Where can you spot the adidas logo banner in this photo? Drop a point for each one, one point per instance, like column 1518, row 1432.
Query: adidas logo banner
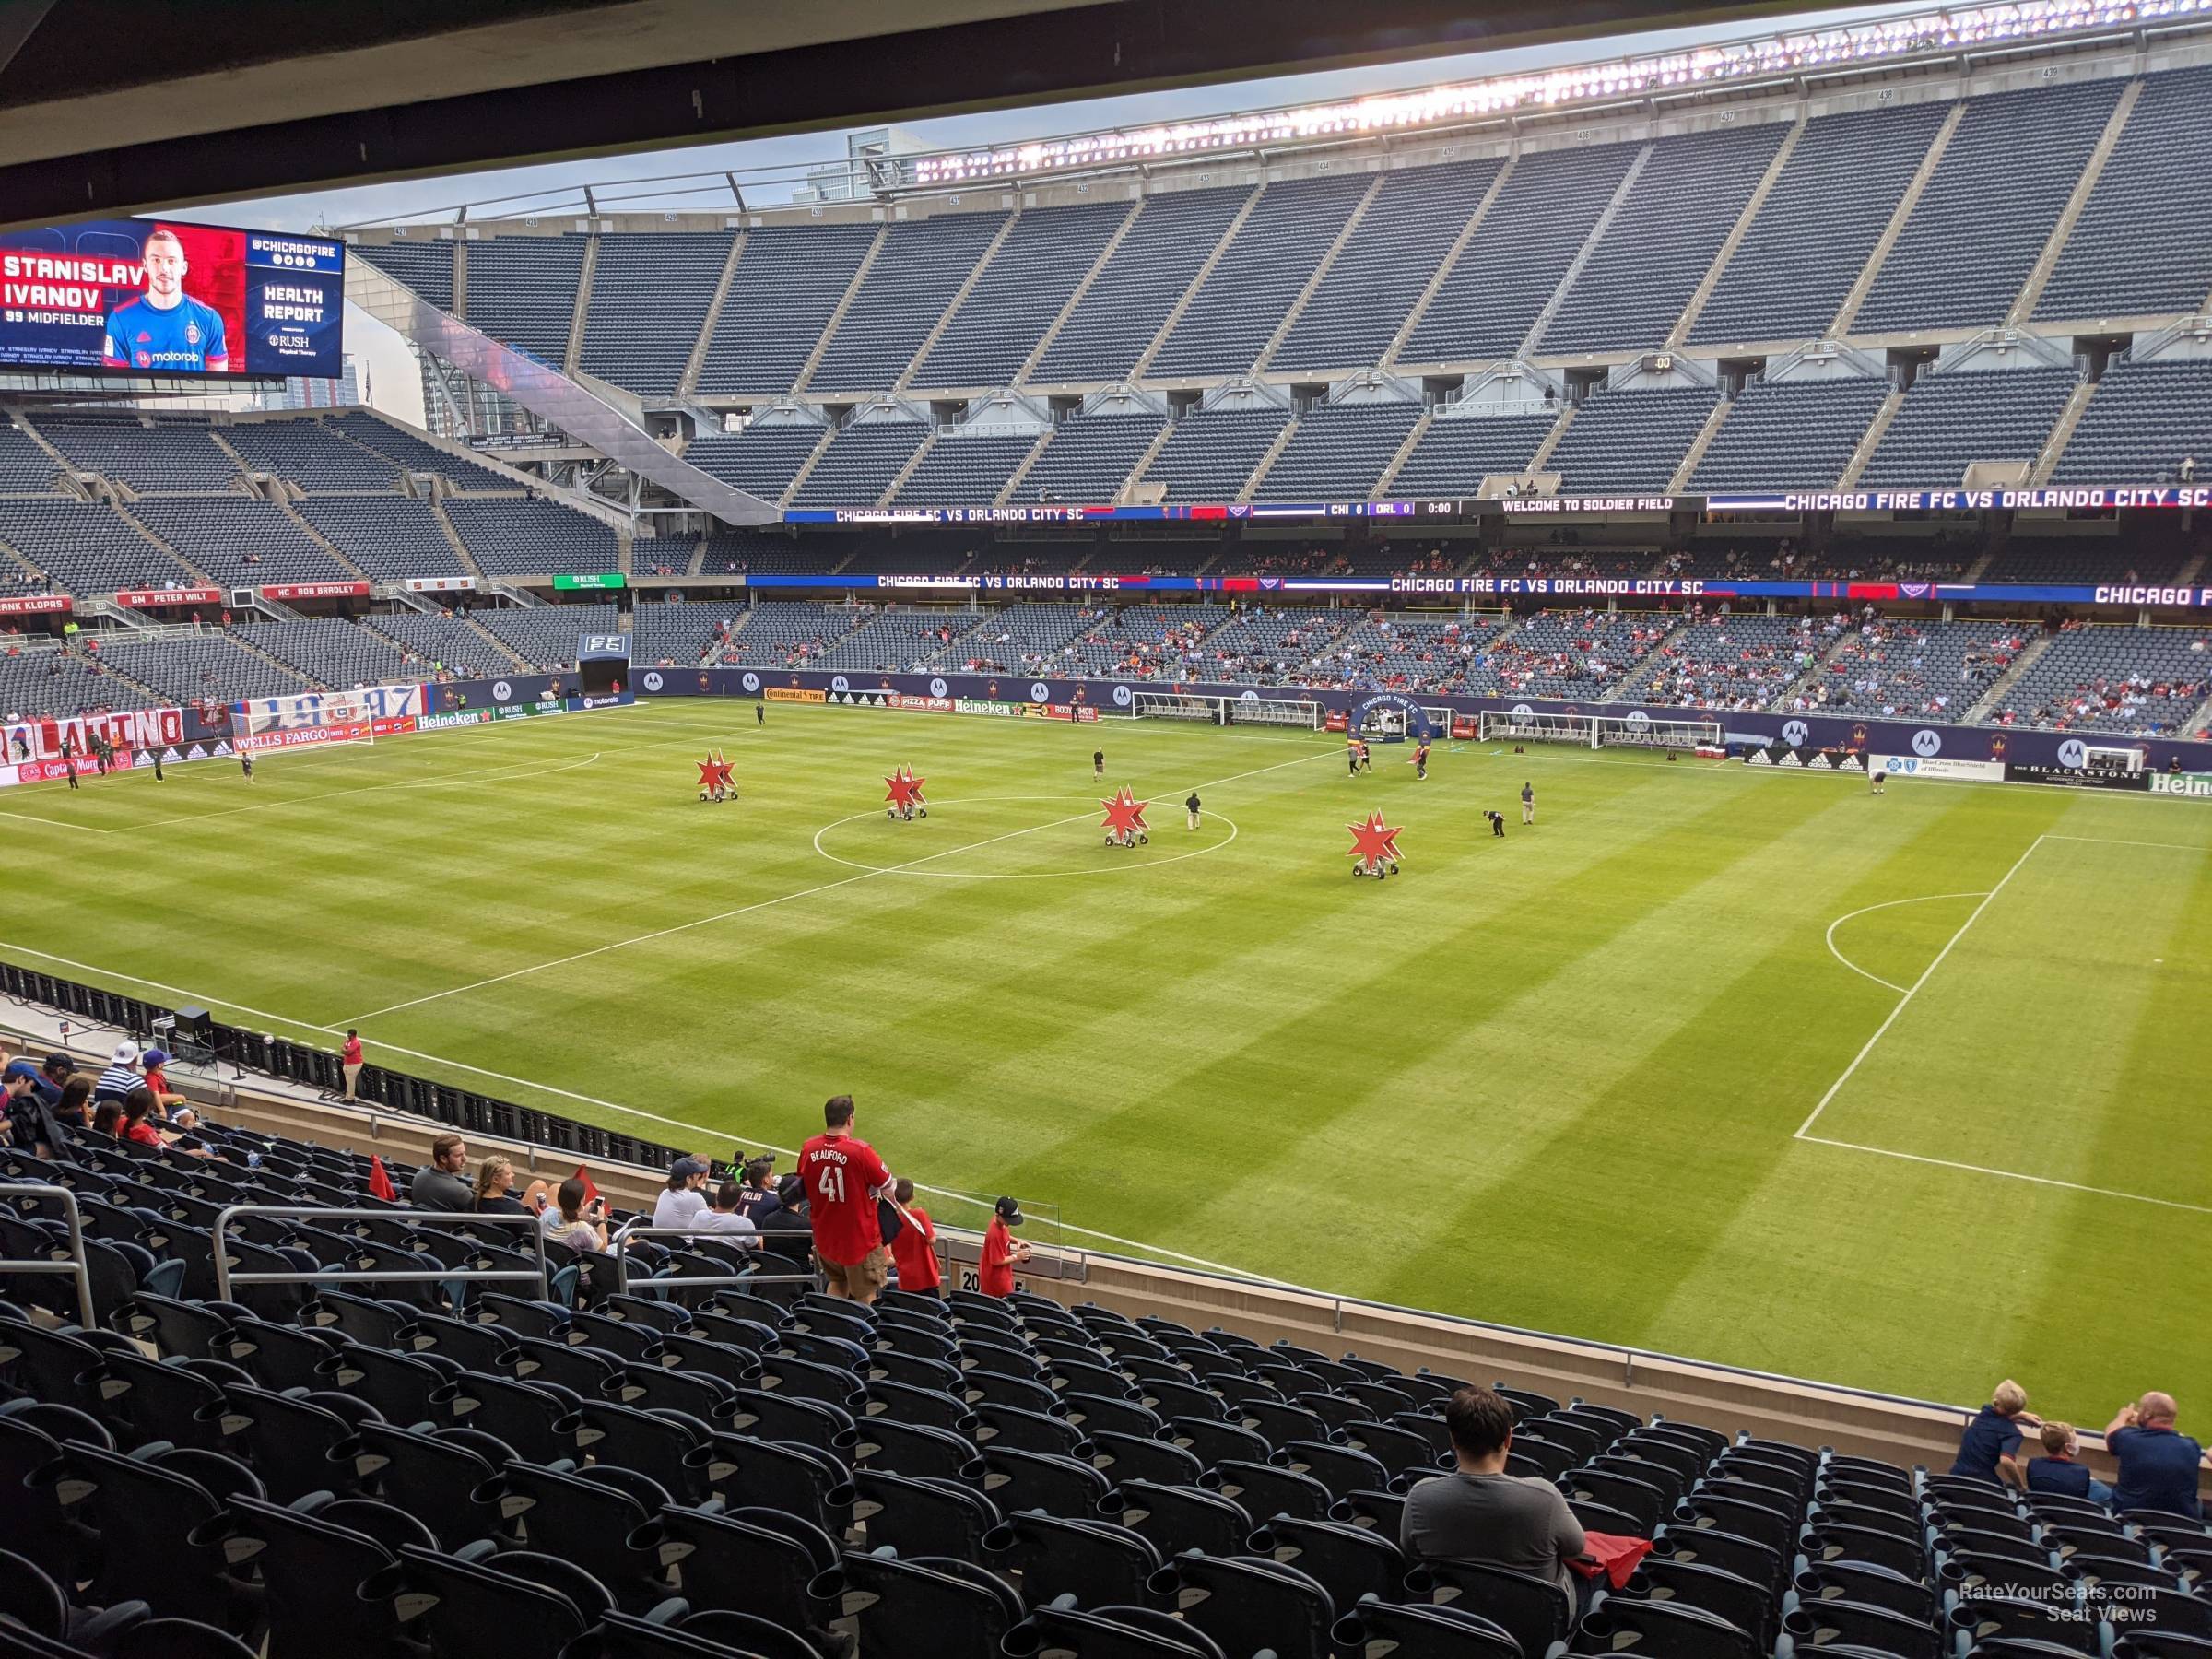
column 1819, row 763
column 1757, row 757
column 1790, row 760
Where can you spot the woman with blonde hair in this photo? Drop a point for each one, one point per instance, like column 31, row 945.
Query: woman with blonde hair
column 1986, row 1449
column 494, row 1180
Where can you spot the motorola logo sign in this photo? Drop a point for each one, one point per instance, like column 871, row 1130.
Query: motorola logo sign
column 501, row 691
column 652, row 680
column 2074, row 752
column 1794, row 732
column 1522, row 710
column 1122, row 698
column 1638, row 717
column 1926, row 743
column 937, row 688
column 1248, row 697
column 1040, row 691
column 840, row 684
column 751, row 682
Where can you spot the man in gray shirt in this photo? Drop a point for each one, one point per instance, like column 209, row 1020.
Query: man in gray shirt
column 1484, row 1516
column 441, row 1184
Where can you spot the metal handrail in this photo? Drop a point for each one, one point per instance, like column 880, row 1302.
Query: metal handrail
column 225, row 1279
column 636, row 1229
column 76, row 1267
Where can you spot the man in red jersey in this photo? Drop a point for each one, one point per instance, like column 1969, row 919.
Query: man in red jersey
column 843, row 1179
column 1002, row 1251
column 915, row 1248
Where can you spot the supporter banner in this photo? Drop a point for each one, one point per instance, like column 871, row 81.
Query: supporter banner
column 315, row 590
column 2076, row 777
column 42, row 740
column 2182, row 783
column 439, row 584
column 1936, row 766
column 1109, row 696
column 35, row 605
column 393, row 703
column 149, row 598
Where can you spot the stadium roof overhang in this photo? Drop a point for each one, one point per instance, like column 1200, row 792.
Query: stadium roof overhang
column 262, row 97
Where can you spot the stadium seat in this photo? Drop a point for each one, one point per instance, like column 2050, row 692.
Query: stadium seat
column 1537, row 1613
column 1109, row 1631
column 933, row 1606
column 1250, row 1604
column 1418, row 1631
column 923, row 1516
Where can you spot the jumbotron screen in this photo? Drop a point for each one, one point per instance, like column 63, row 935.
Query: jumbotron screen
column 161, row 297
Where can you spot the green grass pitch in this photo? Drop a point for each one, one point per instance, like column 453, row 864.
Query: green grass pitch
column 1560, row 1080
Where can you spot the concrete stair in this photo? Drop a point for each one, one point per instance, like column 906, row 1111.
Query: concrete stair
column 1015, row 477
column 1589, row 247
column 1551, row 439
column 574, row 352
column 497, row 643
column 452, row 540
column 1236, row 226
column 687, row 382
column 1275, row 449
column 845, row 304
column 806, row 466
column 1321, row 270
column 1814, row 676
column 1698, row 446
column 284, row 506
column 899, row 478
column 132, row 520
column 1993, row 699
column 1051, row 332
column 2062, row 433
column 1868, row 441
column 1848, row 312
column 1444, row 267
column 1691, row 313
column 960, row 297
column 1136, row 473
column 2085, row 186
column 1413, row 439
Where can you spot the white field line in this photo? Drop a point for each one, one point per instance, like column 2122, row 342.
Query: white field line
column 2106, row 840
column 1869, row 910
column 761, row 905
column 1905, row 1001
column 1946, row 1163
column 707, row 1134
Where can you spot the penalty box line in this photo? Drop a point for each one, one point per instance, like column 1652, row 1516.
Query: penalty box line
column 1805, row 1129
column 761, row 905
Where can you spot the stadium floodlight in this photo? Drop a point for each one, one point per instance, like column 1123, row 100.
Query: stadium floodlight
column 1708, row 68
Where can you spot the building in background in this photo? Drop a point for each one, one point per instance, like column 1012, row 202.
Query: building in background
column 349, row 391
column 876, row 160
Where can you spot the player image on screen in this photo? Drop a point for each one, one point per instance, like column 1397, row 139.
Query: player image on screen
column 165, row 328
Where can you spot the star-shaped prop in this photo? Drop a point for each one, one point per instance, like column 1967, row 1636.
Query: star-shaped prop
column 714, row 774
column 1374, row 840
column 1124, row 813
column 905, row 789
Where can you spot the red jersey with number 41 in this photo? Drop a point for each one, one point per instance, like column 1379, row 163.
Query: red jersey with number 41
column 843, row 1179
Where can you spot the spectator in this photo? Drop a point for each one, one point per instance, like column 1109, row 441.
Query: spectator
column 2058, row 1473
column 46, row 1079
column 2158, row 1467
column 156, row 1079
column 18, row 1090
column 107, row 1118
column 914, row 1250
column 495, row 1191
column 789, row 1215
column 756, row 1197
column 683, row 1197
column 349, row 1062
column 1002, row 1251
column 843, row 1179
column 1985, row 1450
column 74, row 1110
column 568, row 1221
column 723, row 1215
column 1483, row 1516
column 440, row 1184
column 121, row 1075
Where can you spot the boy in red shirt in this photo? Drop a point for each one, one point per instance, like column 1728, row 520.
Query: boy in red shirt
column 915, row 1251
column 1002, row 1251
column 843, row 1179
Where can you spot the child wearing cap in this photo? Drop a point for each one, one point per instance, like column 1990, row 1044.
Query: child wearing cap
column 153, row 1060
column 1002, row 1251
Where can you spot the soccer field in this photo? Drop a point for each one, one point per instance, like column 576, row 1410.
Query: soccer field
column 1909, row 1093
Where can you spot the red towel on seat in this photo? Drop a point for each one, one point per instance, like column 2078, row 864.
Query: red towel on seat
column 1611, row 1555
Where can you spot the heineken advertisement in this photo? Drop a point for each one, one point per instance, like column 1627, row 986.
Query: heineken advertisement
column 2182, row 783
column 606, row 579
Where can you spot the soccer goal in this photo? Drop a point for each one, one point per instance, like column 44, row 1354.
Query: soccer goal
column 262, row 724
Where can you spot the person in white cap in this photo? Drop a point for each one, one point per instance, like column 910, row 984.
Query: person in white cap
column 121, row 1075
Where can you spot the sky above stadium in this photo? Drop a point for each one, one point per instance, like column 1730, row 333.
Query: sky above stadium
column 780, row 164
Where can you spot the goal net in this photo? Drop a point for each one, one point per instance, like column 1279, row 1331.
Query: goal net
column 262, row 724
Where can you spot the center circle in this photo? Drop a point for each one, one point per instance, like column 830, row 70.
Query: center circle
column 1120, row 863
